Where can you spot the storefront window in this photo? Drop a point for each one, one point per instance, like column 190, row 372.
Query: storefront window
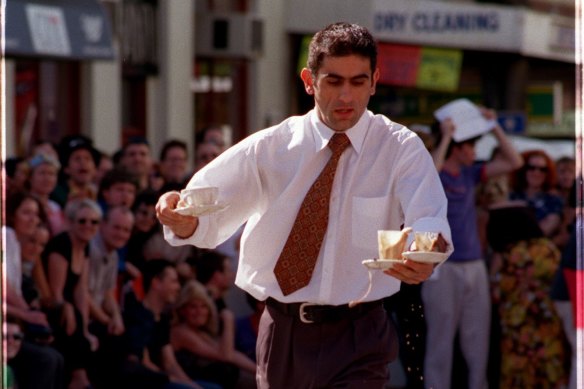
column 220, row 87
column 47, row 101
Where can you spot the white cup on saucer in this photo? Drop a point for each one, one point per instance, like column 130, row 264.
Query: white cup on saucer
column 197, row 197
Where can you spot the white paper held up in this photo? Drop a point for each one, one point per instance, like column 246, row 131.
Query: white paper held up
column 467, row 119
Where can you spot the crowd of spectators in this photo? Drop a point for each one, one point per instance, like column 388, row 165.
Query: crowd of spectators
column 95, row 297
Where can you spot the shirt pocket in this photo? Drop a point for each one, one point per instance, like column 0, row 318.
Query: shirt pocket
column 369, row 216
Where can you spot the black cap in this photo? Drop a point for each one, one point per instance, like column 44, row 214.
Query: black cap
column 72, row 143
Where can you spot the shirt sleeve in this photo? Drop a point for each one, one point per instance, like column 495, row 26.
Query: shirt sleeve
column 236, row 174
column 421, row 193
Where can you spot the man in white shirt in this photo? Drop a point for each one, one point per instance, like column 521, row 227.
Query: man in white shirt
column 114, row 233
column 106, row 320
column 384, row 180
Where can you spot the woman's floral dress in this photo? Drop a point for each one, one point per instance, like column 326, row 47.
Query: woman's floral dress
column 532, row 338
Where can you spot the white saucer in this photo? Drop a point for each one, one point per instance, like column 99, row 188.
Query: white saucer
column 426, row 256
column 200, row 210
column 382, row 264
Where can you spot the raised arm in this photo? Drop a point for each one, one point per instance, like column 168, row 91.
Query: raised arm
column 82, row 302
column 40, row 279
column 57, row 276
column 509, row 159
column 439, row 153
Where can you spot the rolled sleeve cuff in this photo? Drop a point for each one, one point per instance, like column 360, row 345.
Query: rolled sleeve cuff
column 194, row 239
column 432, row 224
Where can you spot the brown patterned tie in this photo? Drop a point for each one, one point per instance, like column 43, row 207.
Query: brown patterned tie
column 296, row 263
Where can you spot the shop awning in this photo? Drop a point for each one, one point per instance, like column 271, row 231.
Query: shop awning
column 69, row 29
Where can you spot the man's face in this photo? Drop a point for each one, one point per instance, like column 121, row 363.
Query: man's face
column 169, row 285
column 116, row 230
column 12, row 339
column 173, row 167
column 227, row 276
column 145, row 217
column 206, row 152
column 566, row 173
column 465, row 153
column 81, row 167
column 120, row 194
column 215, row 136
column 137, row 159
column 341, row 89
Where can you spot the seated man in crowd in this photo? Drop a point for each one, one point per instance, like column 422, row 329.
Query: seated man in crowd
column 150, row 360
column 213, row 270
column 105, row 315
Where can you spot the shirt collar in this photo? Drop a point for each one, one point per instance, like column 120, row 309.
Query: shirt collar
column 99, row 245
column 356, row 134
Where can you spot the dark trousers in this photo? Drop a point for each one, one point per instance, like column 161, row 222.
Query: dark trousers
column 38, row 367
column 347, row 353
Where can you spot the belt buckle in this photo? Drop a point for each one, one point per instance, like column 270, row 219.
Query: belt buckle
column 302, row 313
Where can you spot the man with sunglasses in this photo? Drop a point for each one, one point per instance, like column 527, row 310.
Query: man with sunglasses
column 34, row 366
column 456, row 297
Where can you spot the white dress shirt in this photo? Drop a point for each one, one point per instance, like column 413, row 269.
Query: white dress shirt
column 13, row 260
column 103, row 269
column 384, row 180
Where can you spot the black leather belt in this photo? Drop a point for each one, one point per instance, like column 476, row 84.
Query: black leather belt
column 314, row 313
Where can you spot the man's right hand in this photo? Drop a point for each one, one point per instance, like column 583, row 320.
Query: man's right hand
column 182, row 226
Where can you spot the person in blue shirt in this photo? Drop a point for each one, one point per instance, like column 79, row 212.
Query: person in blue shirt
column 456, row 297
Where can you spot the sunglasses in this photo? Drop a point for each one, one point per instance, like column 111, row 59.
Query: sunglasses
column 16, row 336
column 542, row 169
column 93, row 222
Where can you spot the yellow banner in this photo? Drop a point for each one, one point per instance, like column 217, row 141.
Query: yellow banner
column 439, row 69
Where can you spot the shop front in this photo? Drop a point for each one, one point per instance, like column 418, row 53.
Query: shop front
column 519, row 61
column 46, row 43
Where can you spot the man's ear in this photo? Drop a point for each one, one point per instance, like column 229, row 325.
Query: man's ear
column 376, row 74
column 306, row 76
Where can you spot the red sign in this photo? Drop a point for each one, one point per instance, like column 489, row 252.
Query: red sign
column 398, row 64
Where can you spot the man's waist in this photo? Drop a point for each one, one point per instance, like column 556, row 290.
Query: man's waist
column 315, row 313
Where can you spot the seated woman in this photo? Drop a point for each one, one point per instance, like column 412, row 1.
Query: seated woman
column 202, row 352
column 66, row 262
column 23, row 215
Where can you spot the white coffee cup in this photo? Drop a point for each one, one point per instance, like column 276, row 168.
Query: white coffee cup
column 426, row 241
column 200, row 196
column 392, row 243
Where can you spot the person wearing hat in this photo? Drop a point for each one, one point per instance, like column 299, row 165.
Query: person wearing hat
column 79, row 161
column 456, row 297
column 42, row 181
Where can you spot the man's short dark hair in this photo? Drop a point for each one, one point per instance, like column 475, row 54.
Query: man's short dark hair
column 152, row 269
column 148, row 197
column 340, row 40
column 171, row 144
column 437, row 133
column 135, row 140
column 11, row 164
column 117, row 176
column 209, row 263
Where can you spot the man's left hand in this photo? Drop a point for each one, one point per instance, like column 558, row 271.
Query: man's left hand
column 411, row 272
